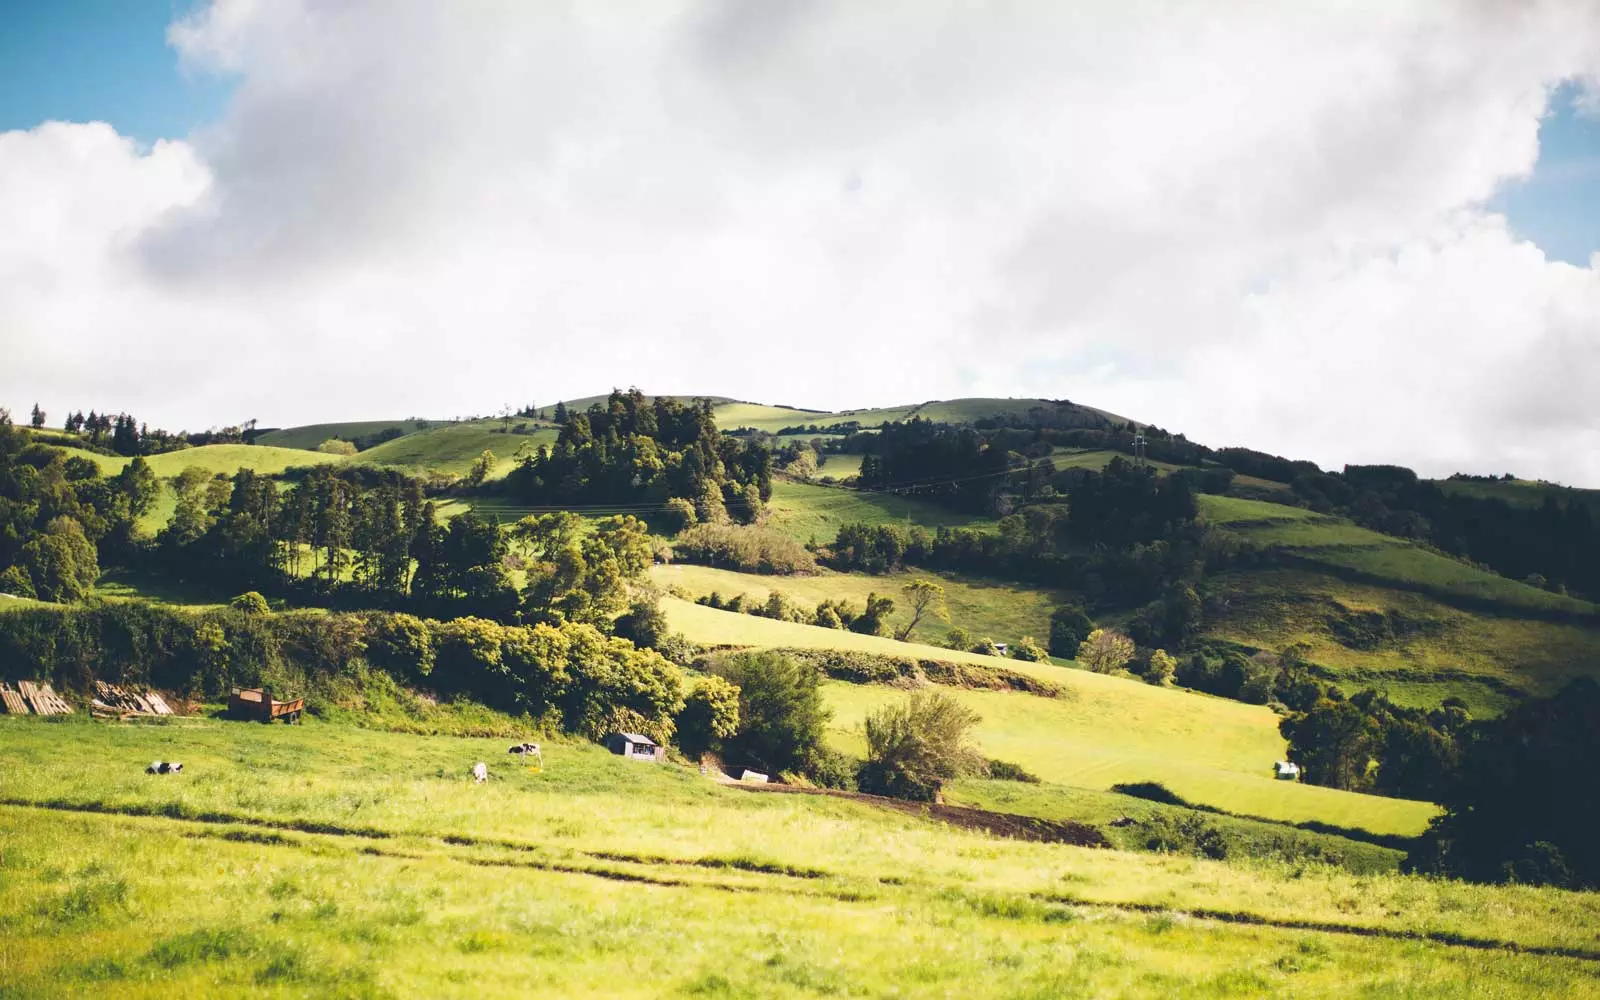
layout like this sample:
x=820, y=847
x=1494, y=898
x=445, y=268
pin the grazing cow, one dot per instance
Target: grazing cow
x=480, y=772
x=527, y=750
x=163, y=767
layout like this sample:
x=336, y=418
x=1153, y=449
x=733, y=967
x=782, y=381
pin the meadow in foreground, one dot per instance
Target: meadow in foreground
x=331, y=860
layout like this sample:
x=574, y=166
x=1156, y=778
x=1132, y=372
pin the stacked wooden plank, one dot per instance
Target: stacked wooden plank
x=12, y=701
x=42, y=699
x=113, y=700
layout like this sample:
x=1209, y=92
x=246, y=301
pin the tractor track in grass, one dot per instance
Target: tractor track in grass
x=271, y=833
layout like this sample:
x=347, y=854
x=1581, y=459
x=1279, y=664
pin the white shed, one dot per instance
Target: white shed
x=1286, y=770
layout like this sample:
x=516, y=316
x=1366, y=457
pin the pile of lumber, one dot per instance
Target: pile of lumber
x=109, y=699
x=30, y=697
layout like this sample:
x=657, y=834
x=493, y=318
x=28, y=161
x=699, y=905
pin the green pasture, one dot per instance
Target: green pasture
x=1338, y=543
x=309, y=436
x=455, y=447
x=1397, y=640
x=327, y=860
x=1004, y=612
x=1102, y=731
x=804, y=510
x=1520, y=492
x=1209, y=751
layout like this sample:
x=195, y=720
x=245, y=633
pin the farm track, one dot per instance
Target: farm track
x=276, y=839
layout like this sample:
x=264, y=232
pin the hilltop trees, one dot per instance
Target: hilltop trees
x=37, y=420
x=631, y=450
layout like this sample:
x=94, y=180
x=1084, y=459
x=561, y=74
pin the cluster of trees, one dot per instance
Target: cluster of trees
x=633, y=451
x=1367, y=743
x=125, y=435
x=372, y=539
x=835, y=614
x=955, y=466
x=1125, y=537
x=567, y=675
x=59, y=519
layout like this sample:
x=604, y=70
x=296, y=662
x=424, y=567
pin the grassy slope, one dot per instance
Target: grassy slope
x=216, y=458
x=310, y=436
x=803, y=510
x=1001, y=611
x=1103, y=731
x=1341, y=544
x=1520, y=492
x=454, y=447
x=599, y=876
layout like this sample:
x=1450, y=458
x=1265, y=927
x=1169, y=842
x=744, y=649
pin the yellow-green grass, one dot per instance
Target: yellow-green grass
x=309, y=436
x=1102, y=731
x=731, y=416
x=1004, y=612
x=1209, y=751
x=1427, y=641
x=1339, y=543
x=325, y=860
x=805, y=510
x=225, y=459
x=109, y=465
x=1520, y=492
x=453, y=448
x=841, y=466
x=1075, y=458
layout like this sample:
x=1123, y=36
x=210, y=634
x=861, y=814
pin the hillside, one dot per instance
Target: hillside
x=309, y=436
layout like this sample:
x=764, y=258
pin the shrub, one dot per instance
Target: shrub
x=781, y=715
x=872, y=620
x=334, y=446
x=914, y=747
x=1183, y=835
x=15, y=581
x=832, y=769
x=643, y=624
x=1162, y=667
x=986, y=647
x=747, y=548
x=957, y=638
x=251, y=603
x=401, y=645
x=1001, y=770
x=678, y=515
x=1028, y=649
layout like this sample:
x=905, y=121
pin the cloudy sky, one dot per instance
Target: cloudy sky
x=1349, y=231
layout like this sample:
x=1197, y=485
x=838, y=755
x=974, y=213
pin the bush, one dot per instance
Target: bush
x=643, y=624
x=1029, y=650
x=16, y=582
x=401, y=645
x=251, y=603
x=832, y=769
x=986, y=647
x=747, y=548
x=957, y=638
x=914, y=747
x=678, y=515
x=1001, y=770
x=781, y=715
x=334, y=446
x=710, y=715
x=1183, y=835
x=1162, y=667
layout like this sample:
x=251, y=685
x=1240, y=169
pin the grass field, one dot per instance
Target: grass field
x=1340, y=544
x=454, y=447
x=215, y=458
x=331, y=861
x=310, y=436
x=1520, y=492
x=1102, y=731
x=988, y=609
x=804, y=511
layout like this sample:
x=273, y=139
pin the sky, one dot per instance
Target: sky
x=1352, y=232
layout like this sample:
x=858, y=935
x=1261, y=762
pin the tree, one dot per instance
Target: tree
x=643, y=624
x=1105, y=651
x=871, y=621
x=1028, y=650
x=916, y=746
x=710, y=715
x=958, y=638
x=336, y=446
x=1524, y=804
x=1333, y=744
x=482, y=466
x=1162, y=666
x=781, y=715
x=678, y=515
x=61, y=562
x=925, y=597
x=1069, y=626
x=38, y=417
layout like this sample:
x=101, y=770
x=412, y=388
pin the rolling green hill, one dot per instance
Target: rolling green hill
x=310, y=436
x=455, y=447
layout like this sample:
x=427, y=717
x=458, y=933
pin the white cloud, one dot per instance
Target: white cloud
x=1259, y=223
